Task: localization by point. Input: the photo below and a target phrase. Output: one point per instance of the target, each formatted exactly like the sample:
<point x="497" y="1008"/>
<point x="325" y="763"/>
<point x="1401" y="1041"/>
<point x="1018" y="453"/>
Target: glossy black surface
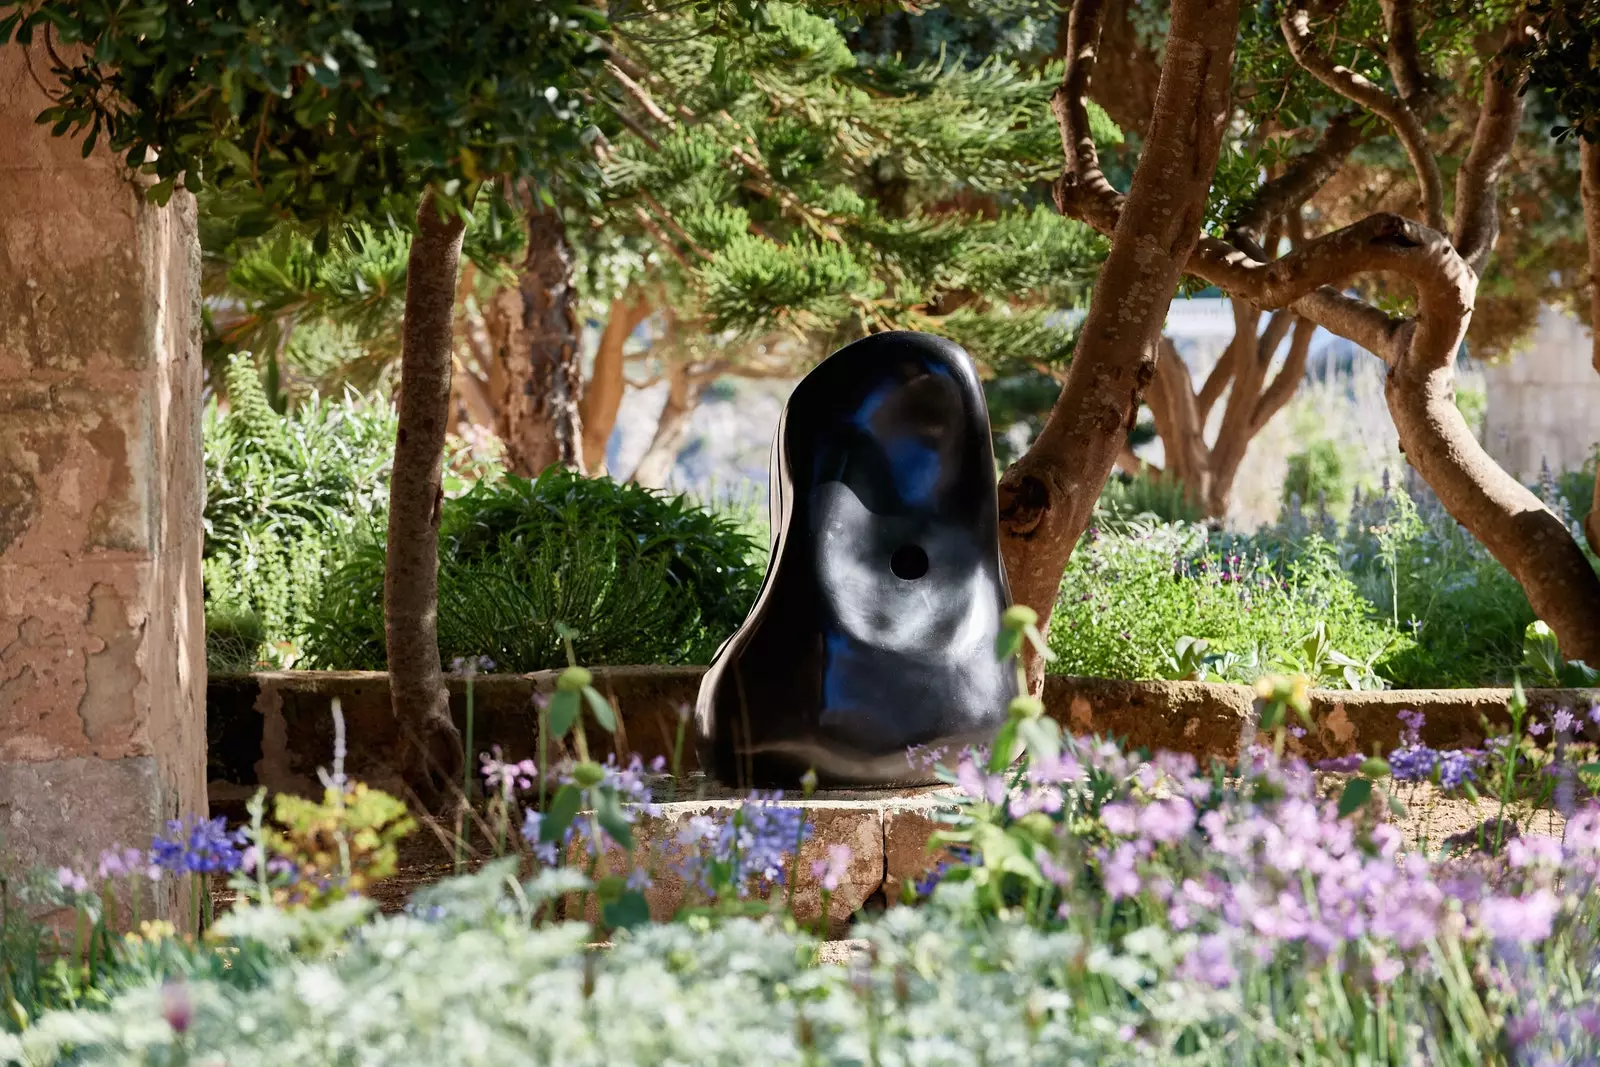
<point x="875" y="627"/>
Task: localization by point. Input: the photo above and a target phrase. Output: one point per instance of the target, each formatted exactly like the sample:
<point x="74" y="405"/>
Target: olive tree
<point x="1317" y="74"/>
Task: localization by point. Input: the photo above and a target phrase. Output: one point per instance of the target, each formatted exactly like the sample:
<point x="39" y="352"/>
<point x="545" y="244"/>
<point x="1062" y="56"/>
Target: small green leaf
<point x="563" y="713"/>
<point x="608" y="812"/>
<point x="628" y="910"/>
<point x="1007" y="643"/>
<point x="1004" y="741"/>
<point x="1356" y="794"/>
<point x="1376" y="768"/>
<point x="601" y="707"/>
<point x="563" y="809"/>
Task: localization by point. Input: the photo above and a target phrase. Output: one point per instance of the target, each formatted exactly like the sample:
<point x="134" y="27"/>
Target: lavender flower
<point x="199" y="846"/>
<point x="546" y="852"/>
<point x="750" y="849"/>
<point x="1536" y="729"/>
<point x="1562" y="721"/>
<point x="1342" y="764"/>
<point x="1521" y="919"/>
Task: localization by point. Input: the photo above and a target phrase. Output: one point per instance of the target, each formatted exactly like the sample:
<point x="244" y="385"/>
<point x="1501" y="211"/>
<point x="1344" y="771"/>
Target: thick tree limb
<point x="1402" y="54"/>
<point x="1590" y="164"/>
<point x="602" y="397"/>
<point x="1287" y="380"/>
<point x="1047" y="497"/>
<point x="1477" y="221"/>
<point x="1296" y="24"/>
<point x="1298" y="183"/>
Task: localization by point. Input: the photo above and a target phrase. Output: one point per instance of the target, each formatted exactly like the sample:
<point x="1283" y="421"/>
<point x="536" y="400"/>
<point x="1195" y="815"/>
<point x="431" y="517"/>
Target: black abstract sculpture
<point x="875" y="627"/>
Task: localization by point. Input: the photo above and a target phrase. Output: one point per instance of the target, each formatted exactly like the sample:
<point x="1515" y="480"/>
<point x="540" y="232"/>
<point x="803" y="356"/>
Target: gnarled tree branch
<point x="1296" y="24"/>
<point x="1477" y="221"/>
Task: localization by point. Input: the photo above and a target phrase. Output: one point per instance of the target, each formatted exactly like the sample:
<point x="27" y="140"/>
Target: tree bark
<point x="1590" y="157"/>
<point x="534" y="332"/>
<point x="672" y="428"/>
<point x="421" y="706"/>
<point x="1048" y="496"/>
<point x="603" y="396"/>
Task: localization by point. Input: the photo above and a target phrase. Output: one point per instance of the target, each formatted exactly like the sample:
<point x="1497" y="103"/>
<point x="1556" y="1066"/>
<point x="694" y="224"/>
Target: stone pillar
<point x="102" y="646"/>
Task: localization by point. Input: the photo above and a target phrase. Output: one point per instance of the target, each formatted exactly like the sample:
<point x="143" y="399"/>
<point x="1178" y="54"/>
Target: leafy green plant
<point x="280" y="493"/>
<point x="638" y="576"/>
<point x="1318" y="472"/>
<point x="1542" y="656"/>
<point x="1143" y="496"/>
<point x="1128" y="598"/>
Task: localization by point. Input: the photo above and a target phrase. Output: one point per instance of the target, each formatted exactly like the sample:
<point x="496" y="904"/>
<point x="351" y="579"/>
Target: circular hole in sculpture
<point x="909" y="562"/>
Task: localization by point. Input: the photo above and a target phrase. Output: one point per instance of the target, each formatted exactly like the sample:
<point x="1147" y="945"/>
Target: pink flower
<point x="978" y="785"/>
<point x="72" y="881"/>
<point x="1118" y="872"/>
<point x="1167" y="820"/>
<point x="830" y="871"/>
<point x="1524" y="919"/>
<point x="1583" y="830"/>
<point x="1534" y="850"/>
<point x="1119" y="818"/>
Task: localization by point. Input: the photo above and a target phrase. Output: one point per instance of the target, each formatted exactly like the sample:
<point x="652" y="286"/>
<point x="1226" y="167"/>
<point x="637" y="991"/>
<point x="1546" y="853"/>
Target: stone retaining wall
<point x="274" y="729"/>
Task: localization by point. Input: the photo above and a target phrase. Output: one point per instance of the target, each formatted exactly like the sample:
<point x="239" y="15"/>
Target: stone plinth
<point x="888" y="834"/>
<point x="102" y="658"/>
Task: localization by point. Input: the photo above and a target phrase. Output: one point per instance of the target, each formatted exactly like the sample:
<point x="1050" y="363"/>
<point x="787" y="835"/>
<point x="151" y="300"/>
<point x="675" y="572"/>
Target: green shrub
<point x="1129" y="497"/>
<point x="642" y="577"/>
<point x="281" y="491"/>
<point x="1465" y="614"/>
<point x="1318" y="474"/>
<point x="1129" y="597"/>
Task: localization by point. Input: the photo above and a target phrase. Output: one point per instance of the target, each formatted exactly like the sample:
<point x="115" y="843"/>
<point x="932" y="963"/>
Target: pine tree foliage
<point x="788" y="185"/>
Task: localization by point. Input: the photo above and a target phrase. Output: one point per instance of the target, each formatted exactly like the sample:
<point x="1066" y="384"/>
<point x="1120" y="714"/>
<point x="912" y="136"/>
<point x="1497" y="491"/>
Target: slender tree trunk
<point x="1590" y="156"/>
<point x="416" y="494"/>
<point x="1048" y="496"/>
<point x="534" y="332"/>
<point x="603" y="396"/>
<point x="672" y="428"/>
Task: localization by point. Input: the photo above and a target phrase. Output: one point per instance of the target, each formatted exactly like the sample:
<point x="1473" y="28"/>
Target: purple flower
<point x="749" y="849"/>
<point x="199" y="846"/>
<point x="1534" y="850"/>
<point x="1414" y="721"/>
<point x="72" y="881"/>
<point x="1562" y="721"/>
<point x="1413" y="763"/>
<point x="1458" y="766"/>
<point x="1118" y="872"/>
<point x="830" y="870"/>
<point x="977" y="785"/>
<point x="1594" y="714"/>
<point x="1119" y="818"/>
<point x="1522" y="919"/>
<point x="1536" y="729"/>
<point x="1166" y="821"/>
<point x="546" y="852"/>
<point x="1342" y="764"/>
<point x="1210" y="962"/>
<point x="120" y="863"/>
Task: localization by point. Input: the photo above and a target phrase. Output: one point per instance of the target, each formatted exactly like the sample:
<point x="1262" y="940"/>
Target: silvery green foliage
<point x="405" y="990"/>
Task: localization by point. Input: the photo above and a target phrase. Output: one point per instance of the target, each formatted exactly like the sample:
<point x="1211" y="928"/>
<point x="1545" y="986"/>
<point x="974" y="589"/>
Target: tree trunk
<point x="603" y="396"/>
<point x="534" y="332"/>
<point x="672" y="428"/>
<point x="416" y="494"/>
<point x="1048" y="496"/>
<point x="1590" y="156"/>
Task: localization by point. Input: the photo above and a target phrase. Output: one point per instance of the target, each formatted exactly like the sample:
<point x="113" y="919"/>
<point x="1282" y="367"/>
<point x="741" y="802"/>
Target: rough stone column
<point x="102" y="648"/>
